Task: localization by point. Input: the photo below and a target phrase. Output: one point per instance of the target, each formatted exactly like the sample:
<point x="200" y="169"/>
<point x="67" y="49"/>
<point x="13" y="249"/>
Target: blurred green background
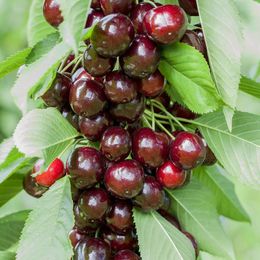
<point x="13" y="19"/>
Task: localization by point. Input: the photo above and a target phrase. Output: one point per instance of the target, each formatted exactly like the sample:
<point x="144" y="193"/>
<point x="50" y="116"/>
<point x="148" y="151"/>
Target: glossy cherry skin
<point x="165" y="24"/>
<point x="119" y="88"/>
<point x="193" y="241"/>
<point x="138" y="14"/>
<point x="117" y="6"/>
<point x="189" y="6"/>
<point x="149" y="148"/>
<point x="87" y="98"/>
<point x="151" y="196"/>
<point x="71" y="117"/>
<point x="76" y="236"/>
<point x="187" y="150"/>
<point x="115" y="144"/>
<point x="85" y="166"/>
<point x="54" y="172"/>
<point x="141" y="59"/>
<point x="128" y="112"/>
<point x="58" y="94"/>
<point x="170" y="176"/>
<point x="93" y="128"/>
<point x="170" y="218"/>
<point x="181" y="111"/>
<point x="119" y="218"/>
<point x="125" y="179"/>
<point x="92" y="249"/>
<point x="95" y="4"/>
<point x="80" y="74"/>
<point x="112" y="35"/>
<point x="153" y="85"/>
<point x="94" y="16"/>
<point x="52" y="13"/>
<point x="126" y="255"/>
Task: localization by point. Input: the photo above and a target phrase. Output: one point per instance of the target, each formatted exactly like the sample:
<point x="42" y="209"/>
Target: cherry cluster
<point x="103" y="94"/>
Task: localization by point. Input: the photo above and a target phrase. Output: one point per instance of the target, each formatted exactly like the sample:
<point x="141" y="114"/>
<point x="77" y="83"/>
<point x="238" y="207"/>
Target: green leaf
<point x="188" y="73"/>
<point x="164" y="2"/>
<point x="48" y="130"/>
<point x="220" y="18"/>
<point x="13" y="62"/>
<point x="229" y="113"/>
<point x="75" y="15"/>
<point x="45" y="235"/>
<point x="238" y="151"/>
<point x="6" y="255"/>
<point x="159" y="239"/>
<point x="250" y="86"/>
<point x="10" y="229"/>
<point x="37" y="28"/>
<point x="224" y="191"/>
<point x="194" y="207"/>
<point x="36" y="72"/>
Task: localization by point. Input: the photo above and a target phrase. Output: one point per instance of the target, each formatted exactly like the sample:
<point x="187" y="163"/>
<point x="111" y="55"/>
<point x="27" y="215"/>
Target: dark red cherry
<point x="93" y="128"/>
<point x="131" y="128"/>
<point x="119" y="88"/>
<point x="152" y="86"/>
<point x="126" y="255"/>
<point x="138" y="14"/>
<point x="115" y="144"/>
<point x="94" y="16"/>
<point x="95" y="4"/>
<point x="170" y="176"/>
<point x="166" y="203"/>
<point x="141" y="59"/>
<point x="96" y="65"/>
<point x="152" y="195"/>
<point x="112" y="35"/>
<point x="75" y="192"/>
<point x="181" y="111"/>
<point x="117" y="6"/>
<point x="52" y="13"/>
<point x="129" y="112"/>
<point x="92" y="249"/>
<point x="170" y="218"/>
<point x="85" y="166"/>
<point x="187" y="150"/>
<point x="193" y="241"/>
<point x="125" y="179"/>
<point x="149" y="148"/>
<point x="58" y="94"/>
<point x="71" y="117"/>
<point x="165" y="24"/>
<point x="119" y="218"/>
<point x="87" y="98"/>
<point x="189" y="6"/>
<point x="69" y="59"/>
<point x="80" y="74"/>
<point x="76" y="236"/>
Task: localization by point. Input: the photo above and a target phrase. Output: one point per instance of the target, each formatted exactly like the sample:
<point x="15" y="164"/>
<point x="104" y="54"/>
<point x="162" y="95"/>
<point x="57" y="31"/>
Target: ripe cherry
<point x="126" y="255"/>
<point x="119" y="88"/>
<point x="166" y="203"/>
<point x="193" y="241"/>
<point x="190" y="6"/>
<point x="141" y="59"/>
<point x="170" y="176"/>
<point x="181" y="111"/>
<point x="165" y="24"/>
<point x="87" y="98"/>
<point x="149" y="148"/>
<point x="95" y="4"/>
<point x="94" y="16"/>
<point x="54" y="172"/>
<point x="71" y="117"/>
<point x="117" y="6"/>
<point x="115" y="144"/>
<point x="125" y="179"/>
<point x="80" y="74"/>
<point x="76" y="236"/>
<point x="52" y="13"/>
<point x="85" y="166"/>
<point x="187" y="150"/>
<point x="112" y="35"/>
<point x="152" y="195"/>
<point x="170" y="218"/>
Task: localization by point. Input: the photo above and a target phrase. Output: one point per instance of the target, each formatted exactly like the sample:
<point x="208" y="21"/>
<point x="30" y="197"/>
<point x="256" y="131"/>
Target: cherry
<point x="75" y="192"/>
<point x="93" y="128"/>
<point x="181" y="111"/>
<point x="58" y="94"/>
<point x="126" y="255"/>
<point x="165" y="24"/>
<point x="193" y="241"/>
<point x="94" y="16"/>
<point x="164" y="99"/>
<point x="87" y="98"/>
<point x="138" y="14"/>
<point x="119" y="218"/>
<point x="119" y="88"/>
<point x="190" y="6"/>
<point x="115" y="144"/>
<point x="131" y="128"/>
<point x="95" y="4"/>
<point x="187" y="150"/>
<point x="125" y="179"/>
<point x="52" y="13"/>
<point x="76" y="236"/>
<point x="152" y="195"/>
<point x="166" y="203"/>
<point x="141" y="59"/>
<point x="170" y="176"/>
<point x="170" y="218"/>
<point x="149" y="147"/>
<point x="129" y="112"/>
<point x="117" y="6"/>
<point x="92" y="249"/>
<point x="85" y="166"/>
<point x="153" y="85"/>
<point x="112" y="35"/>
<point x="54" y="172"/>
<point x="96" y="65"/>
<point x="70" y="58"/>
<point x="80" y="74"/>
<point x="71" y="117"/>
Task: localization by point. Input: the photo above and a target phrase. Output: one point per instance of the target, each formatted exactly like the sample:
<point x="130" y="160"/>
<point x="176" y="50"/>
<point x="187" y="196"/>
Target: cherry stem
<point x="153" y="117"/>
<point x="70" y="64"/>
<point x="146" y="121"/>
